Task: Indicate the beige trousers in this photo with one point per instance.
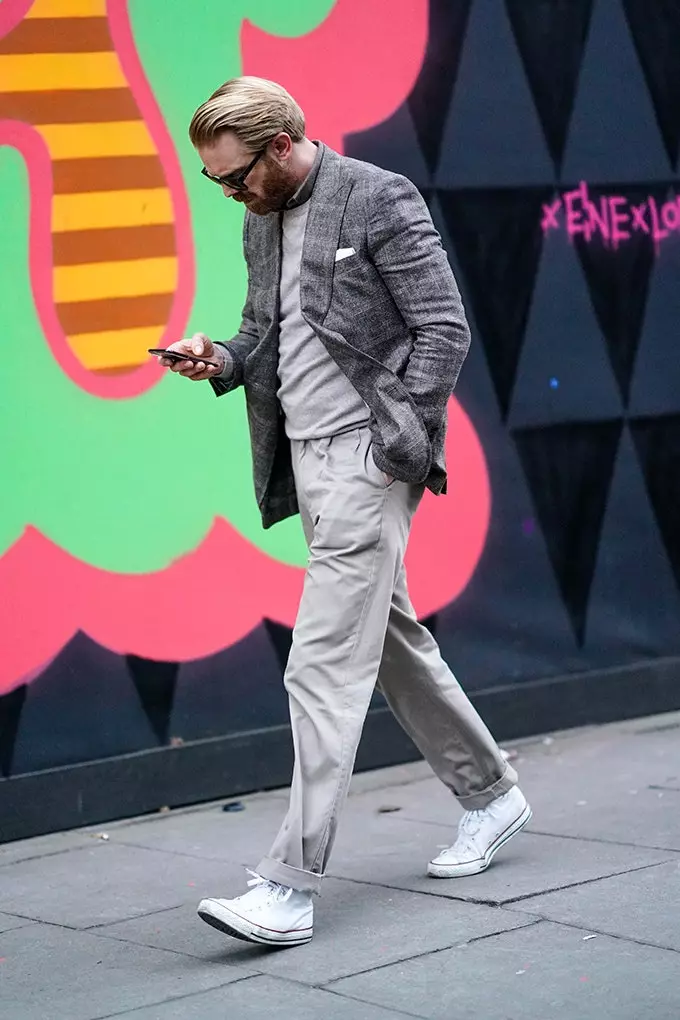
(355, 627)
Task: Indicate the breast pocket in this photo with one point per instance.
(353, 274)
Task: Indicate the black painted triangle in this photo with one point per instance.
(618, 278)
(430, 623)
(155, 683)
(613, 131)
(655, 28)
(497, 238)
(569, 470)
(634, 601)
(430, 98)
(234, 690)
(82, 706)
(392, 144)
(658, 446)
(282, 638)
(492, 136)
(427, 196)
(10, 713)
(550, 38)
(655, 388)
(564, 373)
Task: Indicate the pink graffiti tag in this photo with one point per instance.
(549, 221)
(612, 218)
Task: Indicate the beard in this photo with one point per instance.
(279, 186)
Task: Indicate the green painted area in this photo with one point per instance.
(130, 485)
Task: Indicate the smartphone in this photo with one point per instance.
(176, 356)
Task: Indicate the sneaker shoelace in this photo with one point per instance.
(468, 828)
(471, 822)
(272, 891)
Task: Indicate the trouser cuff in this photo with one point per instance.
(475, 801)
(284, 874)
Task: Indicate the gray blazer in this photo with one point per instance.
(391, 316)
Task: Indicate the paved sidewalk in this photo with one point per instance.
(578, 918)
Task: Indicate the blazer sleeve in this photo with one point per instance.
(408, 253)
(239, 347)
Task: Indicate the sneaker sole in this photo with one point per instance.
(231, 924)
(482, 863)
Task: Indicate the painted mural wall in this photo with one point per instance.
(141, 603)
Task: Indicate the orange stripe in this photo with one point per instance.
(67, 9)
(70, 106)
(117, 348)
(98, 210)
(78, 246)
(107, 174)
(114, 313)
(58, 35)
(48, 72)
(99, 280)
(91, 141)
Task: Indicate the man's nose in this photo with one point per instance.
(228, 192)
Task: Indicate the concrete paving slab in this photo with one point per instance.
(355, 927)
(8, 922)
(51, 973)
(644, 906)
(139, 889)
(41, 846)
(616, 783)
(546, 972)
(392, 850)
(239, 837)
(108, 883)
(265, 997)
(394, 775)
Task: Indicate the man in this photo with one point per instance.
(352, 338)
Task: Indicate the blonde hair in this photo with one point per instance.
(255, 109)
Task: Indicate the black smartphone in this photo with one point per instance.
(176, 356)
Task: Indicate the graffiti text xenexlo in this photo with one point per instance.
(612, 218)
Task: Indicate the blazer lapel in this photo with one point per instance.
(324, 222)
(265, 258)
(268, 261)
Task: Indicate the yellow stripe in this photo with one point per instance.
(132, 278)
(67, 9)
(119, 138)
(49, 72)
(96, 210)
(116, 348)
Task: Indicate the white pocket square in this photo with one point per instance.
(344, 253)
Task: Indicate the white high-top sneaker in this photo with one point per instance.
(480, 834)
(270, 914)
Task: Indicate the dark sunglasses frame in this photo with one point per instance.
(237, 180)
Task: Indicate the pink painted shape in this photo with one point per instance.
(54, 595)
(11, 13)
(351, 72)
(48, 595)
(35, 673)
(449, 532)
(28, 142)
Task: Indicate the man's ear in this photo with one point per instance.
(282, 146)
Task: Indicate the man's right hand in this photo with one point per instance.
(201, 346)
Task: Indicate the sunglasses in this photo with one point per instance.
(236, 180)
